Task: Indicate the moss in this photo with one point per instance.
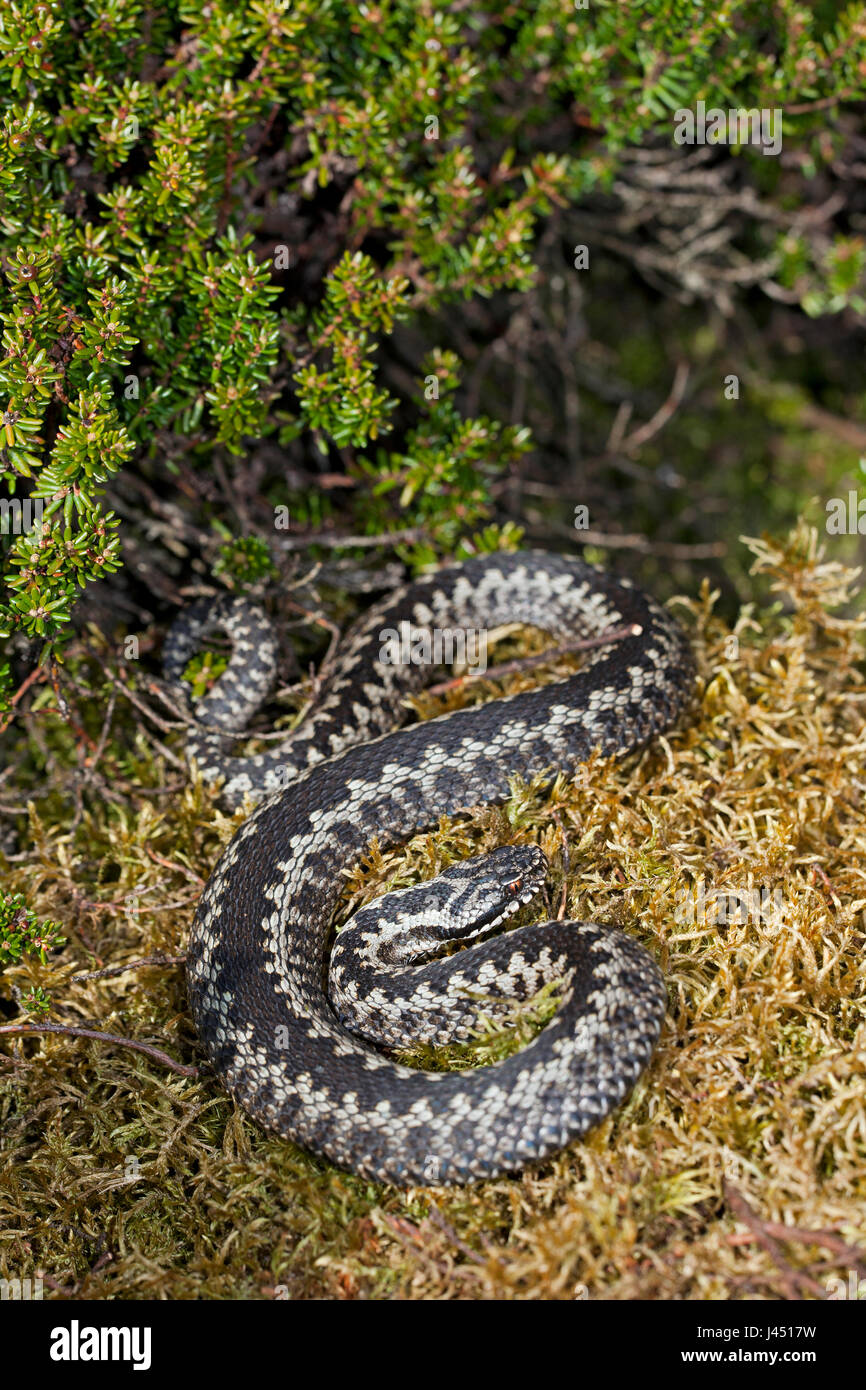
(122, 1179)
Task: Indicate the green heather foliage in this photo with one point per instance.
(147, 317)
(22, 935)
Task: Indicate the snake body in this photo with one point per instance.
(302, 1052)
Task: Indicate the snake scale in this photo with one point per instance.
(305, 1050)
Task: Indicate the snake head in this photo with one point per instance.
(410, 925)
(485, 890)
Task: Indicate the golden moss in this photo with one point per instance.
(122, 1179)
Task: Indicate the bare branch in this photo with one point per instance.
(27, 1029)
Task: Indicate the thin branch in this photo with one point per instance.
(565, 867)
(827, 1240)
(28, 1029)
(435, 1215)
(38, 673)
(143, 708)
(674, 550)
(640, 436)
(794, 1281)
(121, 969)
(331, 628)
(87, 905)
(103, 736)
(163, 751)
(619, 427)
(847, 94)
(332, 542)
(178, 868)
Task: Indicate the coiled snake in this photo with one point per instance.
(304, 1064)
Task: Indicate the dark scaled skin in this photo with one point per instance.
(257, 960)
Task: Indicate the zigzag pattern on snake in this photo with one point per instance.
(305, 1052)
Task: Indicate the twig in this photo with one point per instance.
(332, 542)
(847, 430)
(120, 969)
(526, 663)
(154, 1053)
(675, 550)
(828, 1240)
(140, 705)
(178, 868)
(699, 550)
(618, 428)
(65, 709)
(103, 736)
(795, 1281)
(821, 104)
(66, 1290)
(331, 628)
(565, 867)
(86, 905)
(38, 673)
(163, 751)
(640, 436)
(435, 1215)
